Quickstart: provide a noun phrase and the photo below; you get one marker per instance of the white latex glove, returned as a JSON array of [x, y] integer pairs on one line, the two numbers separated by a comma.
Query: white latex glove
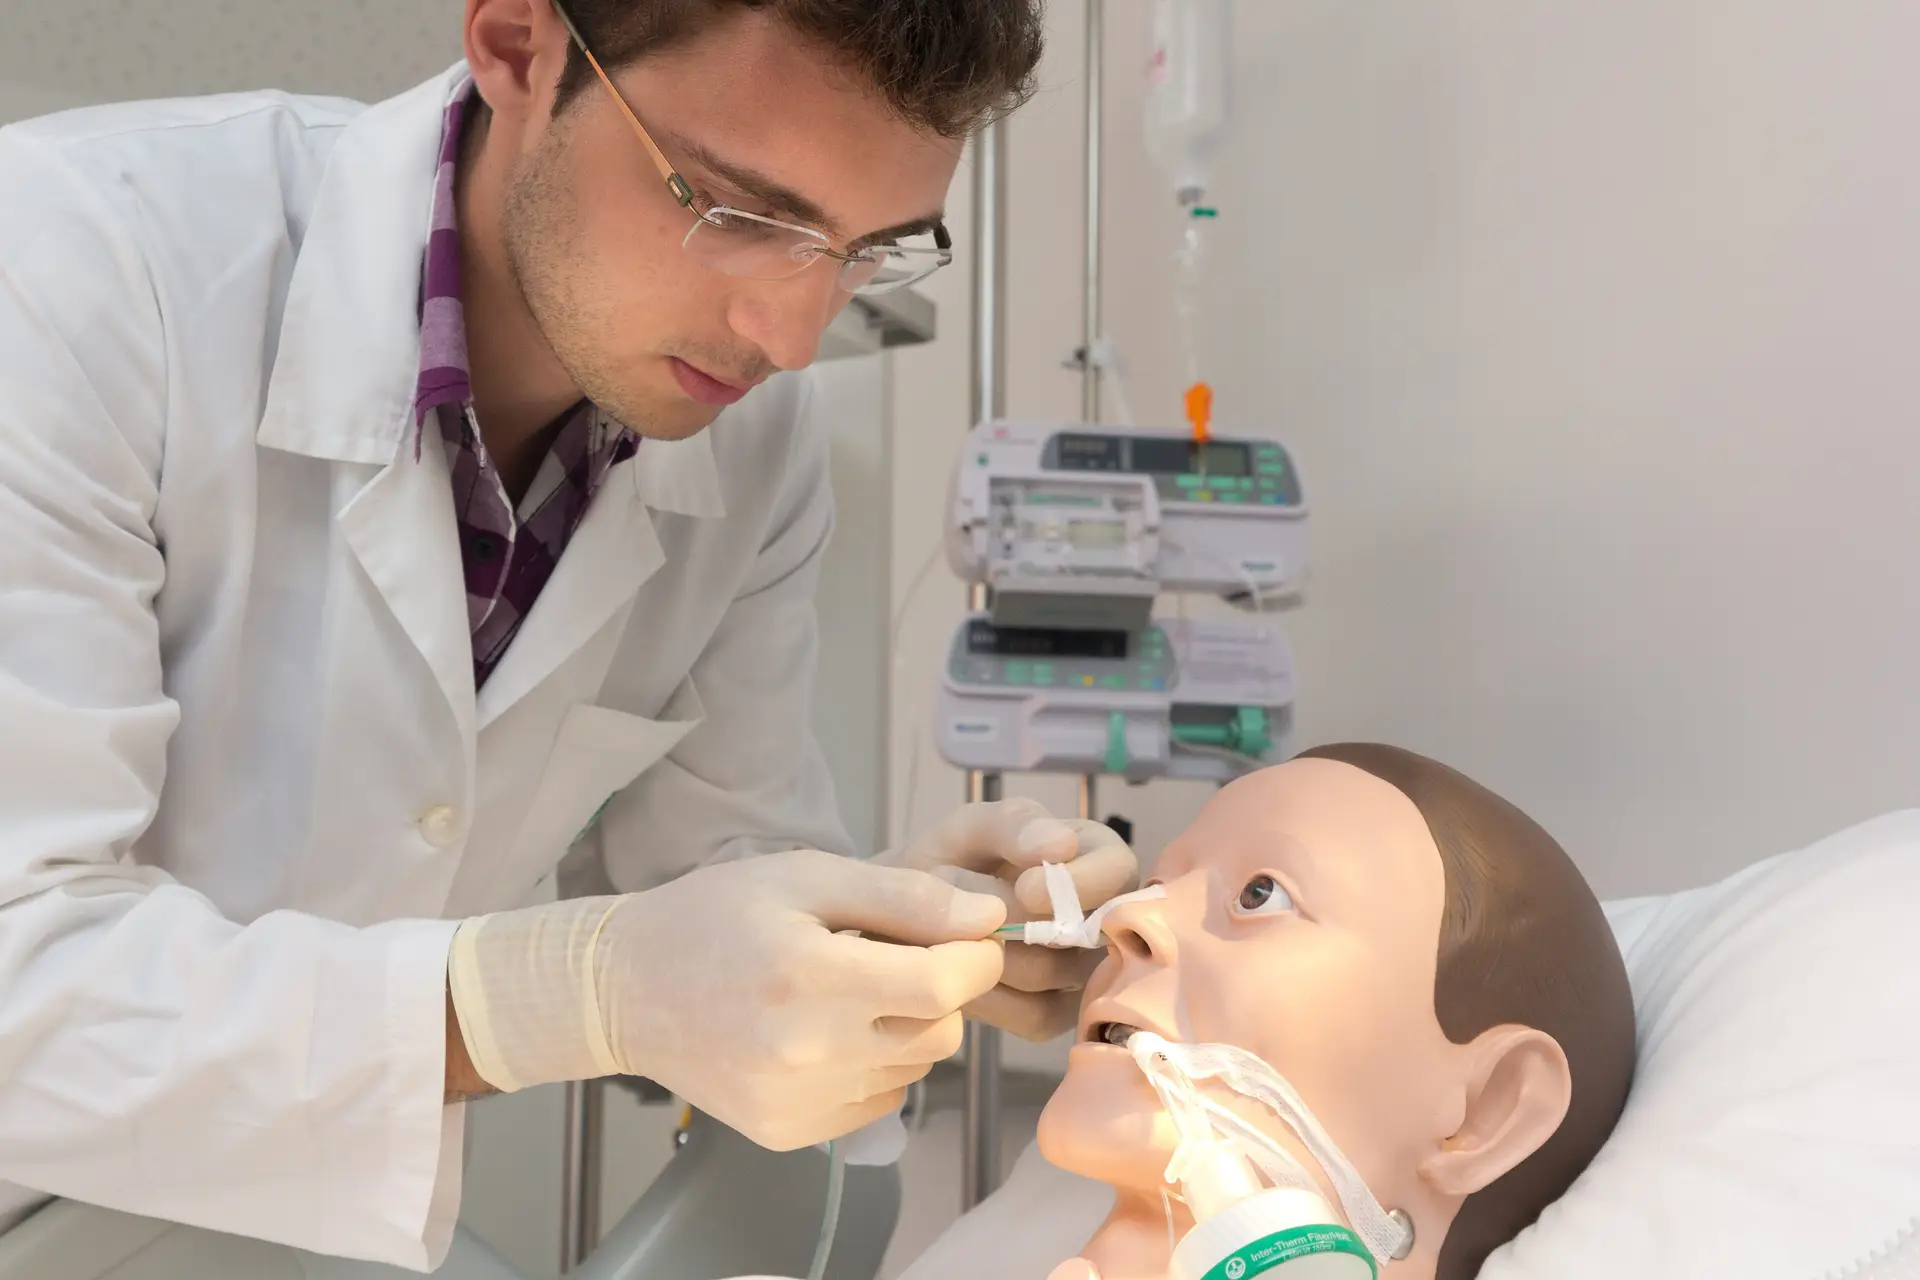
[[734, 988], [998, 848], [1074, 1269]]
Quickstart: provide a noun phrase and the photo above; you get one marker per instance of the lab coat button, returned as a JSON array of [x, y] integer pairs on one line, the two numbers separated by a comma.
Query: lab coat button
[[440, 826]]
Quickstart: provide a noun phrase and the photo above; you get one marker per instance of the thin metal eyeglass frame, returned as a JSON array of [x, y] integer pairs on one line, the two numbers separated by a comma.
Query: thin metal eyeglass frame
[[683, 195]]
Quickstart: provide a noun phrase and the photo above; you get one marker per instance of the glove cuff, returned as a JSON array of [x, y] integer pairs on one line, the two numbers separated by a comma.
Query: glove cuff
[[524, 988]]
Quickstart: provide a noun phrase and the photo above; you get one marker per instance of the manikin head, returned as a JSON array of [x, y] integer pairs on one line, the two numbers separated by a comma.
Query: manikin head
[[1418, 958], [847, 117]]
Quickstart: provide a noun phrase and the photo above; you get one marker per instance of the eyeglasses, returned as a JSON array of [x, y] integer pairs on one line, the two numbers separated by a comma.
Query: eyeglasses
[[754, 247]]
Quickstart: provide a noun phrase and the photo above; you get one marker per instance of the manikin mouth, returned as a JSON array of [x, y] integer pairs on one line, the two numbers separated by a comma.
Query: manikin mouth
[[1113, 1033]]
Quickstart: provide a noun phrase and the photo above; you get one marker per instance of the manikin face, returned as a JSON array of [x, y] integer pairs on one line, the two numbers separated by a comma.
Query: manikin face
[[1301, 923]]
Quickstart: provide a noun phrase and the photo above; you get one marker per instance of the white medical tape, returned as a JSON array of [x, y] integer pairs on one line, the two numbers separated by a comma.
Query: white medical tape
[[1246, 1074], [1070, 926]]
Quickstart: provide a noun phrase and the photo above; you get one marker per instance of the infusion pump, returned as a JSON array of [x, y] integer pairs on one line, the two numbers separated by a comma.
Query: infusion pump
[[1202, 700], [1080, 527]]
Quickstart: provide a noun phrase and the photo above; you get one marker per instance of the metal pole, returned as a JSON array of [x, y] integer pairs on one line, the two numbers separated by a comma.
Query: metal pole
[[989, 398], [1090, 272], [1089, 793], [1090, 277], [981, 1164], [585, 1104], [980, 1172]]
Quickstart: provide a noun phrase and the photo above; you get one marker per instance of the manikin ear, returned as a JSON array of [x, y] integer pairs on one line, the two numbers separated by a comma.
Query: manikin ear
[[1519, 1087]]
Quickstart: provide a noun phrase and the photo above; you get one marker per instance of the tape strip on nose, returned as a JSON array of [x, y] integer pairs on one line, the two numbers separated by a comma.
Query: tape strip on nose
[[1071, 927]]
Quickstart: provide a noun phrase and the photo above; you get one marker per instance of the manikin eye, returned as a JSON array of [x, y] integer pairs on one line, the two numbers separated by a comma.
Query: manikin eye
[[1264, 896]]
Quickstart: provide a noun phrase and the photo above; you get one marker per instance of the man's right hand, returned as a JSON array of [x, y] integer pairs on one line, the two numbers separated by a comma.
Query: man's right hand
[[738, 988]]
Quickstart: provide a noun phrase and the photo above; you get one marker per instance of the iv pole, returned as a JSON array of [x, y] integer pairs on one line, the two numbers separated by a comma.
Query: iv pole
[[981, 1164], [981, 1157], [1090, 274]]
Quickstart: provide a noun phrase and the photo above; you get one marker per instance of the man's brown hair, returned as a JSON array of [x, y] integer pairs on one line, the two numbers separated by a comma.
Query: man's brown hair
[[1523, 941], [945, 66]]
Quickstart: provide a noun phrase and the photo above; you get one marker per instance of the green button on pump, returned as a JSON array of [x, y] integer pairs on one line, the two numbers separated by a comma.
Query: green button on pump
[[1018, 673], [1113, 682], [1187, 482], [1043, 673]]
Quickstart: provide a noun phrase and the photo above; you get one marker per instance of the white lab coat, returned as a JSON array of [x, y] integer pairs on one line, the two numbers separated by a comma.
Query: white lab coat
[[245, 783]]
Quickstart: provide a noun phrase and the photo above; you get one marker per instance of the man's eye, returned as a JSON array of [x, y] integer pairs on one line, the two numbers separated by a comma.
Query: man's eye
[[1263, 896]]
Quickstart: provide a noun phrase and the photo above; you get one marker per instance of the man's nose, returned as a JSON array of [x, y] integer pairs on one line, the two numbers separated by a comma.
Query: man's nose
[[787, 318]]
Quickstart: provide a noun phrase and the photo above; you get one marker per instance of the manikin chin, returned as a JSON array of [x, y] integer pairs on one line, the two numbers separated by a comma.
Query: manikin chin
[[1421, 962]]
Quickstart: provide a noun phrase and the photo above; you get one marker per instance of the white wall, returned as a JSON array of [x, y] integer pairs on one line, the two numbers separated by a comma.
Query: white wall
[[59, 53], [1593, 328]]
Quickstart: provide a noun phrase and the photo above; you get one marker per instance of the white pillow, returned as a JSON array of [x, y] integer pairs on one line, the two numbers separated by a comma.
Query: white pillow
[[1773, 1131]]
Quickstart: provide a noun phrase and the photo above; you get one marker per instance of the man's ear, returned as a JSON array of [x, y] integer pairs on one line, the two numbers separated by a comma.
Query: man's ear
[[1519, 1087], [514, 47]]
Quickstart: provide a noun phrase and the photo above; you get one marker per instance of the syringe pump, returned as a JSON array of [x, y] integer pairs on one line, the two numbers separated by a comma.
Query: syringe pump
[[1079, 527], [1203, 700]]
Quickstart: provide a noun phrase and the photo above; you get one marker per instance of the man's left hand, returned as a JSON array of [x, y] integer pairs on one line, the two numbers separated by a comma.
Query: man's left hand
[[998, 848]]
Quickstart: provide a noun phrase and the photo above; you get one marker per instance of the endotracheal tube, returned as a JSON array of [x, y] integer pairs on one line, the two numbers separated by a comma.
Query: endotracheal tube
[[1244, 1226]]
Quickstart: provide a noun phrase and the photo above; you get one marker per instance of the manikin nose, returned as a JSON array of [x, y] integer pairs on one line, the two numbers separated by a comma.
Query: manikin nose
[[1139, 931]]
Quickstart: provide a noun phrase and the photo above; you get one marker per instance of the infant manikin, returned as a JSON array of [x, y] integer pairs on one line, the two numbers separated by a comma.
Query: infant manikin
[[1421, 1014]]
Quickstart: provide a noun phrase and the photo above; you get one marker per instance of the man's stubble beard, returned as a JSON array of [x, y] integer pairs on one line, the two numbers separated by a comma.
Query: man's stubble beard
[[541, 238]]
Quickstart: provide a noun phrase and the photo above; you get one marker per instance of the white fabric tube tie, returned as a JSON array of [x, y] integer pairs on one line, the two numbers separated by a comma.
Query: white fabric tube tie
[[1070, 926]]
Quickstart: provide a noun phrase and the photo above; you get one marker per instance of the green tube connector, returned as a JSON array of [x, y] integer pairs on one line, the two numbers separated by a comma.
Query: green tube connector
[[1246, 734]]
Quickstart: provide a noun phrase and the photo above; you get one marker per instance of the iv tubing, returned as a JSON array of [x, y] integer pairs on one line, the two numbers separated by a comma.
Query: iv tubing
[[830, 1219]]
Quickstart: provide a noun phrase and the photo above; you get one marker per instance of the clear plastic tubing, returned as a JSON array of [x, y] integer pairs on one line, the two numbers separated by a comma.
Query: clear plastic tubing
[[830, 1219]]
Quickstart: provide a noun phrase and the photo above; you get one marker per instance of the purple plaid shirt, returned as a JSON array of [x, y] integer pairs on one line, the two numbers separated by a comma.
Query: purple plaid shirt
[[508, 554]]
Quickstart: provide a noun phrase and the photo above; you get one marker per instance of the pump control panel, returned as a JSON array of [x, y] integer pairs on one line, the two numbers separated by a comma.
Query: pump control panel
[[1078, 527], [1203, 700]]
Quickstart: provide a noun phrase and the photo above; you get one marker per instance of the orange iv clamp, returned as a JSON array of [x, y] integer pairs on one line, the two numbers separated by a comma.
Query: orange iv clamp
[[1200, 410]]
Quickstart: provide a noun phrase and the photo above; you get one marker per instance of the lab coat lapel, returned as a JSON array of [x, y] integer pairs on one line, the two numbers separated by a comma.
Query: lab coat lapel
[[403, 530], [611, 555], [346, 365], [348, 356]]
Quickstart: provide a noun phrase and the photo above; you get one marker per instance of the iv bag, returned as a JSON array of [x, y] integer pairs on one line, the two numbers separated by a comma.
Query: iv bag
[[1189, 94]]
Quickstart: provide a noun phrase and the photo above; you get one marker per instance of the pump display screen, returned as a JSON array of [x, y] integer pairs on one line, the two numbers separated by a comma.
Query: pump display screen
[[985, 639], [1175, 457], [1097, 535], [1147, 455], [1090, 453]]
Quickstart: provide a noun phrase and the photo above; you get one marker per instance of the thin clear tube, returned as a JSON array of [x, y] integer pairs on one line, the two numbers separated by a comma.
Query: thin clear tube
[[1190, 260], [830, 1217]]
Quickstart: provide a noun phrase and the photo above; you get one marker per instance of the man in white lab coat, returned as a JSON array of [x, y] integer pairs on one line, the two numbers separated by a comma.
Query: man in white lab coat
[[395, 499]]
